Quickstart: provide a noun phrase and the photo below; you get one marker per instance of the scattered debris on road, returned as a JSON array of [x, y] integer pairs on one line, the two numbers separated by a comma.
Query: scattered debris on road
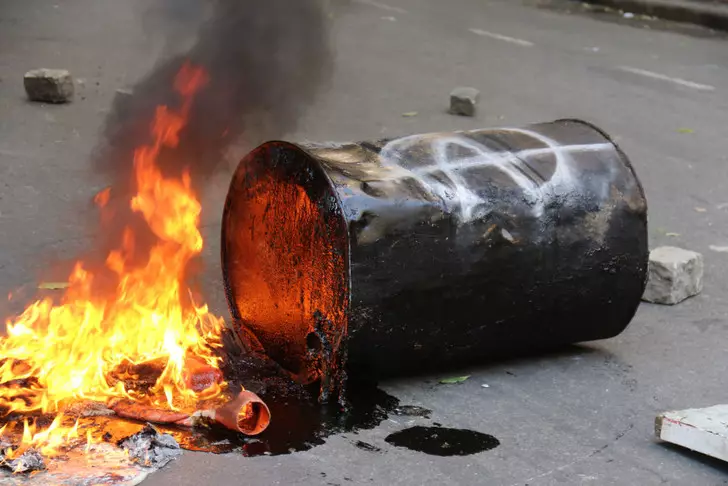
[[53, 285], [719, 249], [454, 381], [49, 85], [703, 430], [463, 101], [674, 275], [150, 448], [412, 411]]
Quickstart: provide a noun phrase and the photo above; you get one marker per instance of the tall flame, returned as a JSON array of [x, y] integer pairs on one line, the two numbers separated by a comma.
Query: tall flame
[[56, 353]]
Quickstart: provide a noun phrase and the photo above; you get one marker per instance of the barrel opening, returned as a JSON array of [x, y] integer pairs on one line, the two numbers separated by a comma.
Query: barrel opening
[[285, 259]]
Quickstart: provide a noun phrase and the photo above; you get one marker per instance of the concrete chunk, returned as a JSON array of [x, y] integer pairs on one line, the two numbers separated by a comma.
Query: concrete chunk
[[703, 430], [674, 275], [463, 101], [49, 85]]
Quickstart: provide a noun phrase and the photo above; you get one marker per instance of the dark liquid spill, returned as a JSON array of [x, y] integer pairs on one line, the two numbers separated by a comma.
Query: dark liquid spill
[[438, 441], [298, 421], [296, 425]]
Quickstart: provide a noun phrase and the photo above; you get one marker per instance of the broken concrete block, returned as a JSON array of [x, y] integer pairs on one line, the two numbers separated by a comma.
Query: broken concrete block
[[49, 85], [674, 275], [703, 430], [463, 101]]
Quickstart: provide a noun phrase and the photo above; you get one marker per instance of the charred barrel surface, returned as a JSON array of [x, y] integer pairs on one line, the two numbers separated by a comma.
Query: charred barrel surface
[[434, 249]]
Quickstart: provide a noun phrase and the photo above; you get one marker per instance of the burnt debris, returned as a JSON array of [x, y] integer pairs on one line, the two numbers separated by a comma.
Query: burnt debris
[[150, 448], [28, 462]]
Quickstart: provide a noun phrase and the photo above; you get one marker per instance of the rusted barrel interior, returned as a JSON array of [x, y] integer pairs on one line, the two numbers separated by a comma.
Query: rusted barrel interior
[[400, 255]]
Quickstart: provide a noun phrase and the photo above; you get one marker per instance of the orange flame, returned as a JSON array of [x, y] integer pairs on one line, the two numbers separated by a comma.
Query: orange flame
[[48, 442], [59, 352]]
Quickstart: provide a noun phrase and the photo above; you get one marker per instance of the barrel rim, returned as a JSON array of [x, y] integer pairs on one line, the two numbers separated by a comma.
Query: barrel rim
[[336, 211]]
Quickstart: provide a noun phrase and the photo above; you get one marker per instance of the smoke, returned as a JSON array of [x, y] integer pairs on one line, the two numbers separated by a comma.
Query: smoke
[[266, 60]]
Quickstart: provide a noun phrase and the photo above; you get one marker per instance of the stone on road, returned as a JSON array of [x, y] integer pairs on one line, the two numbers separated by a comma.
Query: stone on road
[[49, 85], [674, 275], [463, 101]]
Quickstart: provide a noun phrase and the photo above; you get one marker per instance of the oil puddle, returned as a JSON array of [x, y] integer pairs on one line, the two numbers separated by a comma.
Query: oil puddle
[[297, 424], [440, 441]]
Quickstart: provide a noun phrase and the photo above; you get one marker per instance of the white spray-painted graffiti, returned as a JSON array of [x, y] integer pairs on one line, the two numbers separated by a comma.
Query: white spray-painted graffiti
[[442, 174]]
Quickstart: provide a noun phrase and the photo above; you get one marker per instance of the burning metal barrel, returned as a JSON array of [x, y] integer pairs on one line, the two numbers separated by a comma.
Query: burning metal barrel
[[399, 255]]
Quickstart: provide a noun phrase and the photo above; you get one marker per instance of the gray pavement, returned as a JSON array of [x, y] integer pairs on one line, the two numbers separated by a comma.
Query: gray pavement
[[708, 13], [584, 416]]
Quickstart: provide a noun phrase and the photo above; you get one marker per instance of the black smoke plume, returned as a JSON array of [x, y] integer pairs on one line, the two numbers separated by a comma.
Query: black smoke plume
[[265, 59]]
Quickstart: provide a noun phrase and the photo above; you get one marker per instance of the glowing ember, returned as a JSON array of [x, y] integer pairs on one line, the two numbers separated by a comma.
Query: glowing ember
[[57, 353]]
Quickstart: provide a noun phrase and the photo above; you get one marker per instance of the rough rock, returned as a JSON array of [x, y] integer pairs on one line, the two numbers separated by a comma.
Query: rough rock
[[674, 275], [49, 85], [463, 101]]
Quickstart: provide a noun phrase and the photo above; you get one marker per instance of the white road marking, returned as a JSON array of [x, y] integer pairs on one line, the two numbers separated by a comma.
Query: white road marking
[[382, 6], [505, 38], [662, 77]]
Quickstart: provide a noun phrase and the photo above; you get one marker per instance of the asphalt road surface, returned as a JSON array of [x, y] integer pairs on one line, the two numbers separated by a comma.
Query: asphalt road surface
[[580, 417]]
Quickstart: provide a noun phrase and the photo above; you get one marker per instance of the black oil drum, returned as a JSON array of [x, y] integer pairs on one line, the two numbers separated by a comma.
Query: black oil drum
[[395, 256]]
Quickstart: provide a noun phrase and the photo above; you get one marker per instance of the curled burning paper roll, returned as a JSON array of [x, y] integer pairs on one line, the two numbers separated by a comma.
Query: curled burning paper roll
[[246, 413]]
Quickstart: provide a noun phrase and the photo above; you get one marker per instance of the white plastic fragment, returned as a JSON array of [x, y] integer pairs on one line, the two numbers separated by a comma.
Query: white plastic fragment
[[703, 430]]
